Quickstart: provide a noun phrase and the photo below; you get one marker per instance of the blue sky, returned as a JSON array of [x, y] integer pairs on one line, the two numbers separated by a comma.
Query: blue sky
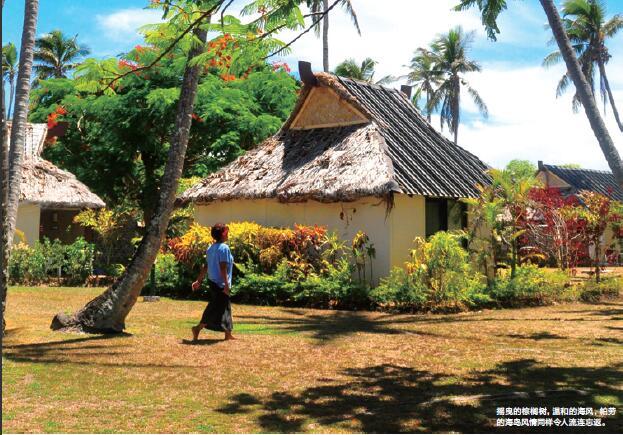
[[526, 119]]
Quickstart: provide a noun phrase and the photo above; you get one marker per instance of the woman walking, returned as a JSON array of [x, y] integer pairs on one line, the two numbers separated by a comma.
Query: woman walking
[[219, 266]]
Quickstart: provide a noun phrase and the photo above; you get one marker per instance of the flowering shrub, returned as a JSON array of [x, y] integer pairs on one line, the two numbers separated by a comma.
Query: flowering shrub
[[439, 277]]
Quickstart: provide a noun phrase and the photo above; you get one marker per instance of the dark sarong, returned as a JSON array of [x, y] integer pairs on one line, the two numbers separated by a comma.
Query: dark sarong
[[217, 315]]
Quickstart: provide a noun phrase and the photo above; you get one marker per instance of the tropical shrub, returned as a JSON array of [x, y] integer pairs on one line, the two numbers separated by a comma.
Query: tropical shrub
[[167, 273], [79, 261], [190, 248], [531, 285], [45, 260], [605, 289], [439, 277]]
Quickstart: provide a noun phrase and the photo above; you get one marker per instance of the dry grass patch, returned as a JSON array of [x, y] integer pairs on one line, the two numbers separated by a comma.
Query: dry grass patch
[[297, 370]]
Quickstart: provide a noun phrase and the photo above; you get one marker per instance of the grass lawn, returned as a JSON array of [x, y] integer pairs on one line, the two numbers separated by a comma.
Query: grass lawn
[[297, 370]]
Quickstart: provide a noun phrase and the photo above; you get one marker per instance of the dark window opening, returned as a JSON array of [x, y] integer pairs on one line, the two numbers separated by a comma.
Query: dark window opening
[[445, 215]]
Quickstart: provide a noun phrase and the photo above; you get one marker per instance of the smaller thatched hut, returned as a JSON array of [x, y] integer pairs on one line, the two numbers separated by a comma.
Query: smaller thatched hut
[[49, 197], [352, 156]]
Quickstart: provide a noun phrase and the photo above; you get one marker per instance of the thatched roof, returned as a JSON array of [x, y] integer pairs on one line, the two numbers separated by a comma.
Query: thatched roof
[[579, 180], [47, 185], [51, 187], [389, 148]]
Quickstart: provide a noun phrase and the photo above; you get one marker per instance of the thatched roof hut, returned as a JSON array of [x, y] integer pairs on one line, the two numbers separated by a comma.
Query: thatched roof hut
[[344, 140], [45, 184], [51, 187]]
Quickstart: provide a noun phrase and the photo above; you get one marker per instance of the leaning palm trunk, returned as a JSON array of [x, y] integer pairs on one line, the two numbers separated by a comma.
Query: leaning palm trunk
[[10, 199], [4, 196], [325, 36], [584, 91], [604, 77], [107, 312]]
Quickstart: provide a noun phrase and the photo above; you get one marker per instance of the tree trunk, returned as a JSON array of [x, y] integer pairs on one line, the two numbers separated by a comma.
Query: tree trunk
[[584, 91], [325, 36], [107, 312], [11, 95], [4, 196], [18, 126], [602, 72], [597, 265], [15, 150]]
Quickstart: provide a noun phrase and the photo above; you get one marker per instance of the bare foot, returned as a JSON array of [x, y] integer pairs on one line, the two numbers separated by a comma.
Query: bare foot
[[228, 336], [196, 330]]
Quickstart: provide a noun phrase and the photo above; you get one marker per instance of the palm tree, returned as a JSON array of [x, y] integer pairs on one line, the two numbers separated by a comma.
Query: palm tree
[[451, 63], [321, 6], [9, 70], [490, 11], [587, 28], [424, 76], [18, 134], [56, 55], [364, 71]]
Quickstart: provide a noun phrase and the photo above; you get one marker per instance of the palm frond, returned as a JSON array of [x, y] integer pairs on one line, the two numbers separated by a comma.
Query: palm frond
[[482, 107]]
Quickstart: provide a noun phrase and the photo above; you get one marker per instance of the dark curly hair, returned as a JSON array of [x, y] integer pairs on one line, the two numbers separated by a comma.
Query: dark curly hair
[[217, 231]]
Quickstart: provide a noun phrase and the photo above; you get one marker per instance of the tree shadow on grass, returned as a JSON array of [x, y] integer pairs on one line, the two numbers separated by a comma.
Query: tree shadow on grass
[[334, 324], [537, 336], [393, 399]]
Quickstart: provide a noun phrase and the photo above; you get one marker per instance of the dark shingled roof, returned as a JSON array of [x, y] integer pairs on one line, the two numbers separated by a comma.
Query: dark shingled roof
[[425, 162], [588, 179], [396, 151]]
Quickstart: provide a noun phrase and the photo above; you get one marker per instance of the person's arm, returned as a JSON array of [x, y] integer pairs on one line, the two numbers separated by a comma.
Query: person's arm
[[202, 275], [223, 270]]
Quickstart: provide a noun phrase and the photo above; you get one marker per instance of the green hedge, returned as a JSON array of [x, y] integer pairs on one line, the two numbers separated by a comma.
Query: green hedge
[[47, 261]]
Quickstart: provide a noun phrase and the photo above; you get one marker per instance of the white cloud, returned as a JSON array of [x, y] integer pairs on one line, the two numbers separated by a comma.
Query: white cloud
[[123, 25], [526, 119]]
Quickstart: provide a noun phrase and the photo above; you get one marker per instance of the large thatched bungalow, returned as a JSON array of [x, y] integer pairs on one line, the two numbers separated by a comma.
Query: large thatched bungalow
[[352, 156], [49, 197]]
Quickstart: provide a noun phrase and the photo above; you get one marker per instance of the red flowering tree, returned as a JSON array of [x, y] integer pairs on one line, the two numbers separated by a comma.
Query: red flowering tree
[[597, 215], [554, 228]]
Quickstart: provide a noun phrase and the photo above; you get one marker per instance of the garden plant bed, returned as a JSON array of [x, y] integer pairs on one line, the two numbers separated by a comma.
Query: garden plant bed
[[299, 370]]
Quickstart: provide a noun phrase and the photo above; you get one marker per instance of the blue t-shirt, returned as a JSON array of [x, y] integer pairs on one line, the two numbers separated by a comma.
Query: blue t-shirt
[[219, 253]]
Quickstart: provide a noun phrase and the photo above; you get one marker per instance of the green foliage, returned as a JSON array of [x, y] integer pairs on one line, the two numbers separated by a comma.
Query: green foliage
[[531, 285], [117, 143], [78, 263], [114, 230], [609, 288], [45, 260], [521, 169], [331, 288], [438, 277], [168, 277]]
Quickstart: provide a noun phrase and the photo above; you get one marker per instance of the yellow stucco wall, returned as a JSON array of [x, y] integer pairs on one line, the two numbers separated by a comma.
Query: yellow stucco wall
[[28, 220], [367, 214], [408, 221]]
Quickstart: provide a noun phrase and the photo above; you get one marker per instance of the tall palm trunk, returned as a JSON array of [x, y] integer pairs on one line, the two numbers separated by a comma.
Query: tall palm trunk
[[11, 94], [18, 133], [107, 312], [604, 77], [325, 36], [456, 107], [4, 196], [428, 111], [584, 92]]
